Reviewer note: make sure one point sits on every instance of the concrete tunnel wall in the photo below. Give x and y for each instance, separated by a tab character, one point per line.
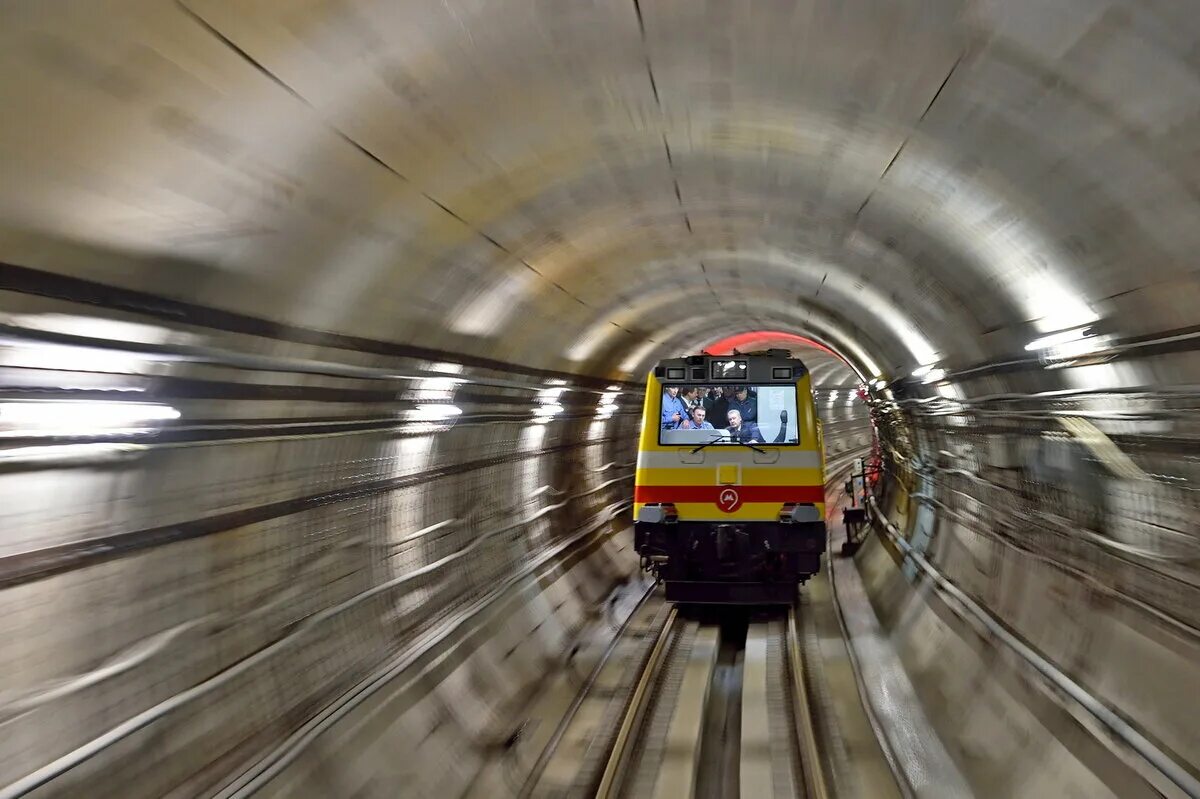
1070	522
308	208
225	611
247	557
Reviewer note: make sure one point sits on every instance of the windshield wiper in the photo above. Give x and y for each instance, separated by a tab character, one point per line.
720	440
708	443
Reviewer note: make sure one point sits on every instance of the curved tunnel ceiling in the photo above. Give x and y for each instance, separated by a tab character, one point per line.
590	186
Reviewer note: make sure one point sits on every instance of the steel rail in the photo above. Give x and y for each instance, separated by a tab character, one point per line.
815	780
881	737
560	730
611	779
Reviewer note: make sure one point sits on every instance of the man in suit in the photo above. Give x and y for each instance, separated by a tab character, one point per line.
745	432
717	403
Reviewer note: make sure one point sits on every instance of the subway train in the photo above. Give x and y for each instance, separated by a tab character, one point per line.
729	495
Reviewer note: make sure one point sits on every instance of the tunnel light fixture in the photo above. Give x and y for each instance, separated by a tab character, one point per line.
934	375
446	367
70	358
92	327
73	454
442	376
922	371
75	417
126	352
438	387
548	406
1064	345
929	373
608	403
949	391
1053	340
435	412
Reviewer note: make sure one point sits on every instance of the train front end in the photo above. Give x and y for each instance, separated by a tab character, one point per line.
729	498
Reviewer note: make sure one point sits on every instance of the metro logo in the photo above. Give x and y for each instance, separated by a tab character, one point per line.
729	500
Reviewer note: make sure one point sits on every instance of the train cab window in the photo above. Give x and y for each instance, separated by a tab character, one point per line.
729	414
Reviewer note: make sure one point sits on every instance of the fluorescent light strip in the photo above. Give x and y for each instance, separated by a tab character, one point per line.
66	416
1057	339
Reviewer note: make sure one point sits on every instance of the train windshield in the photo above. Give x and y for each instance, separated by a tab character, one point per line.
729	414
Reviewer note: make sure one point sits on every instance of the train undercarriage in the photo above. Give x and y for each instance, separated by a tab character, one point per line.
730	563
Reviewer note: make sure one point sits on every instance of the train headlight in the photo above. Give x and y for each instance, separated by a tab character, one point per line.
799	513
657	513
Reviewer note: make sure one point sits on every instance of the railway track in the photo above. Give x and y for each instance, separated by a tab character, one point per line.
719	711
690	704
698	703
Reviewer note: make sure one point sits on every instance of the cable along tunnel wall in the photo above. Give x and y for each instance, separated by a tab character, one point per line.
1068	517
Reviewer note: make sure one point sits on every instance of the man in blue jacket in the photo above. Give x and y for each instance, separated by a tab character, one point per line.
696	422
743	403
674	409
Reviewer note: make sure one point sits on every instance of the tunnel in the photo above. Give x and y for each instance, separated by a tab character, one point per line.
326	324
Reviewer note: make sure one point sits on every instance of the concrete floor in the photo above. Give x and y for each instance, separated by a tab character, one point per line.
859	766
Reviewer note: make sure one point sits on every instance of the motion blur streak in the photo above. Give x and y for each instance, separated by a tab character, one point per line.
322	326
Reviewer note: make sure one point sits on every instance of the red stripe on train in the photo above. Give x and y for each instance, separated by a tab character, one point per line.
780	494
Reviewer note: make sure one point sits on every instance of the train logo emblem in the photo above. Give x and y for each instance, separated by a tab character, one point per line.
729	501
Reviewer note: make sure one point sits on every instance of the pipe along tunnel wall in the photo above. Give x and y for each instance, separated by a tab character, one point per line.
1030	640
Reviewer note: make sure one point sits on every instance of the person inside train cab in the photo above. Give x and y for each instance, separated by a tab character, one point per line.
697	421
743	431
674	409
719	406
744	403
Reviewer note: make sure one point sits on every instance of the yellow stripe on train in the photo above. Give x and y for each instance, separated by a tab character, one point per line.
707	475
749	512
